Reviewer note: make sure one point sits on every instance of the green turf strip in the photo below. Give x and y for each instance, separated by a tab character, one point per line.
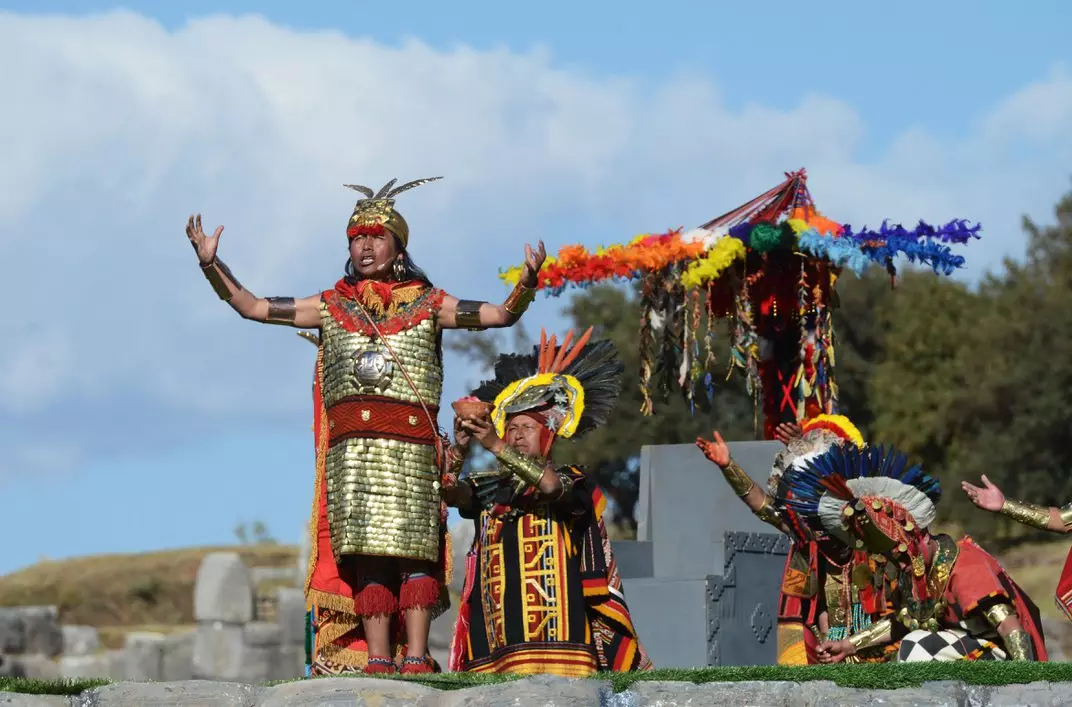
873	677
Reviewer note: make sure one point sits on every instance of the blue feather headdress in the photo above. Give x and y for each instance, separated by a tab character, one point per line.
827	491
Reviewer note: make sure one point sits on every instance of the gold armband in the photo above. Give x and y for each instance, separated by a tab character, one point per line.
519	300
525	468
467	314
876	634
218	275
1018	645
1066	515
739	481
1027	513
767	514
281	310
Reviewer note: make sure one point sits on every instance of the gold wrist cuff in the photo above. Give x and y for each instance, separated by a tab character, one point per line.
876	634
218	275
1018	646
1066	514
740	482
525	468
1027	513
519	300
467	314
998	613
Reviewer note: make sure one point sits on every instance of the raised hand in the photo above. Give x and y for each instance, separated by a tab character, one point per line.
204	246
717	450
787	432
462	436
484	432
989	498
533	262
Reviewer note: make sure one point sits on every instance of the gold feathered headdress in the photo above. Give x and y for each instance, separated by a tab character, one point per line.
376	213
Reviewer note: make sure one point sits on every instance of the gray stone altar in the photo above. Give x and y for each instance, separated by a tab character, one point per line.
702	577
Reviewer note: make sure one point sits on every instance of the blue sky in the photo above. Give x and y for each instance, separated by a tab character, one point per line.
132	425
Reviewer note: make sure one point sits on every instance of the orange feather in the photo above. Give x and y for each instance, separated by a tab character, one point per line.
577	348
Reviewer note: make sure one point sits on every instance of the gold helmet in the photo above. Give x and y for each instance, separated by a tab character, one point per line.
376	213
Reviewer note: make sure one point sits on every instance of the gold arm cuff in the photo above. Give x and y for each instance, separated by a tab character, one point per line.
739	481
1066	514
876	634
281	310
1027	513
998	613
1018	646
528	470
467	314
218	275
455	459
519	300
767	514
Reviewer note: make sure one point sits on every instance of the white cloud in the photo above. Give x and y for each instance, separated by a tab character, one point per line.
124	128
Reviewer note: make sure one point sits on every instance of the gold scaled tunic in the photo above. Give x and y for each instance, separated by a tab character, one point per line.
382	486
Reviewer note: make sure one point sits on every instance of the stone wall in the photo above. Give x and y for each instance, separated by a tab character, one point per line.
548	691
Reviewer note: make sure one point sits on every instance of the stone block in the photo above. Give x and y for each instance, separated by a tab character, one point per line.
686	507
217	653
224	589
261	633
38	666
291	663
260	652
116	660
143	654
41	626
537	691
73	667
1036	694
190	693
634	558
177	657
671	694
353	692
14	699
290	615
80	640
12	634
9	667
461	537
671	619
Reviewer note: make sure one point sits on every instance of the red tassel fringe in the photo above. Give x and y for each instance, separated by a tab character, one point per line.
375	600
418	593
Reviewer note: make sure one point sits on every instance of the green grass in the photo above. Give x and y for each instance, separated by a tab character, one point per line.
873	677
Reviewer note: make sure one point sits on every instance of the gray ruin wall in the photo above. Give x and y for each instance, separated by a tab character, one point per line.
702	578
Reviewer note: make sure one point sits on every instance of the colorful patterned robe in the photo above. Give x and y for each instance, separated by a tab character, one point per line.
542	592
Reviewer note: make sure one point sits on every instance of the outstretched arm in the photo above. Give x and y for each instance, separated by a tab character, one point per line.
990	498
303	313
473	314
747	490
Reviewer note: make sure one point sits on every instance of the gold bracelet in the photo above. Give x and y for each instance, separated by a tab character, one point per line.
1027	513
217	274
1018	646
519	300
998	613
876	634
525	468
1066	515
740	482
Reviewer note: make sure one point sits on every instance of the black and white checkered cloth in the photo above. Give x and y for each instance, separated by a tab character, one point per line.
947	645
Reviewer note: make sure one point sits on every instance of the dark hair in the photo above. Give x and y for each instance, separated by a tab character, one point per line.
412	272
